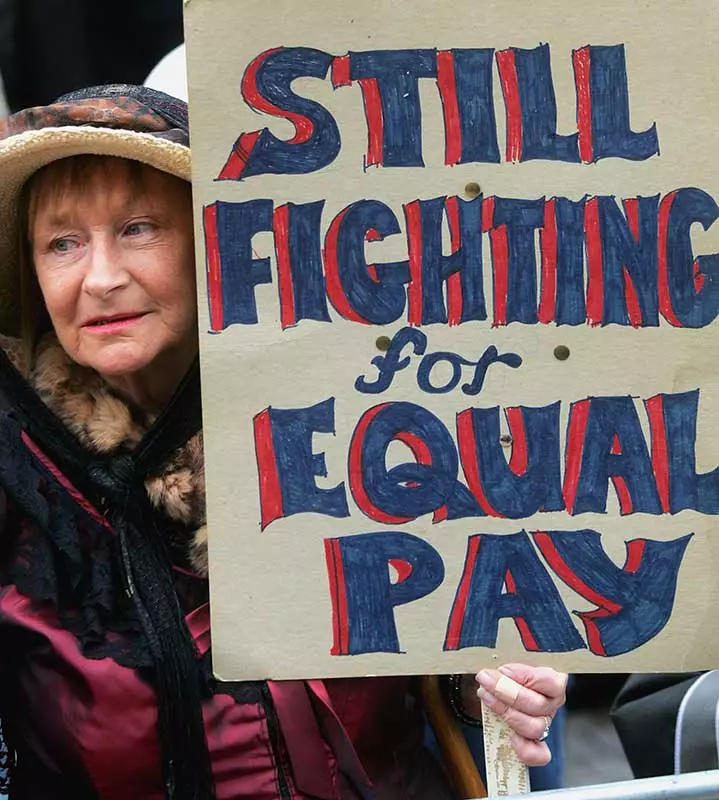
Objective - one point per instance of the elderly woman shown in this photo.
(106, 687)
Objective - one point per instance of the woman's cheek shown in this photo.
(61, 300)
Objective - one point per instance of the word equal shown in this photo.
(605, 446)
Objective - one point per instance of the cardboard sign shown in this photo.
(457, 268)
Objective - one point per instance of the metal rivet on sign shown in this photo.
(561, 352)
(383, 343)
(505, 439)
(472, 189)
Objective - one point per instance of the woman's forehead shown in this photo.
(82, 172)
(64, 187)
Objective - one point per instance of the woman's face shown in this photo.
(115, 264)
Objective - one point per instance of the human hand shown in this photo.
(527, 702)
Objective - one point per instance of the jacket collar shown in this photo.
(69, 405)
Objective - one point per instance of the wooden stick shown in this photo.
(458, 760)
(506, 774)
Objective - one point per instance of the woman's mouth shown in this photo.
(114, 324)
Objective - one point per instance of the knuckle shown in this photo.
(562, 679)
(527, 727)
(556, 681)
(535, 755)
(540, 706)
(548, 708)
(527, 754)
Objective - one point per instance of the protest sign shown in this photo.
(458, 277)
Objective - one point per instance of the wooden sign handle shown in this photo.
(506, 774)
(457, 757)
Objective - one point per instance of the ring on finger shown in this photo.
(547, 726)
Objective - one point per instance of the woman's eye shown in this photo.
(63, 245)
(137, 228)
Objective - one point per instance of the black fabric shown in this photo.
(62, 556)
(53, 536)
(645, 717)
(50, 47)
(6, 761)
(32, 780)
(116, 483)
(6, 755)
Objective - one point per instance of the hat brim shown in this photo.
(24, 154)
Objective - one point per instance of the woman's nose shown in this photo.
(106, 271)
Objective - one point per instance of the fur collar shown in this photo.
(104, 422)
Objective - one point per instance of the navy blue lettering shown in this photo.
(522, 219)
(465, 260)
(351, 288)
(239, 271)
(397, 73)
(297, 466)
(266, 88)
(611, 129)
(633, 602)
(299, 262)
(692, 283)
(529, 483)
(390, 364)
(629, 272)
(687, 489)
(571, 307)
(614, 447)
(473, 71)
(364, 595)
(411, 489)
(504, 577)
(540, 139)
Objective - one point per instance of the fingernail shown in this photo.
(484, 677)
(485, 697)
(507, 671)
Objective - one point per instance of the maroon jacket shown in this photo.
(77, 697)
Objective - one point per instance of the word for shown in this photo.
(605, 445)
(389, 81)
(389, 365)
(504, 577)
(602, 262)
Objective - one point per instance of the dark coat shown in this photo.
(78, 683)
(51, 47)
(667, 722)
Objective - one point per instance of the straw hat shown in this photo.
(130, 122)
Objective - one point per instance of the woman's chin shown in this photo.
(116, 360)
